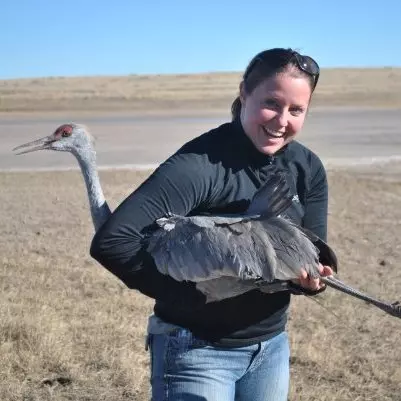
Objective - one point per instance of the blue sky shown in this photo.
(118, 37)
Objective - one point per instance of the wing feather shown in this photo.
(204, 248)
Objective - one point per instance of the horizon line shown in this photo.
(177, 74)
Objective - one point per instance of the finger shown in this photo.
(310, 283)
(303, 275)
(325, 270)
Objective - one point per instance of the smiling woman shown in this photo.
(272, 111)
(236, 348)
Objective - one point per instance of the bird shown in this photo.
(76, 139)
(225, 255)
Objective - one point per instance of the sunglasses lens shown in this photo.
(278, 58)
(309, 65)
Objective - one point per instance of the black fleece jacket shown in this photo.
(217, 172)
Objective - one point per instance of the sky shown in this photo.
(40, 38)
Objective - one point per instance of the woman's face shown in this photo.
(274, 112)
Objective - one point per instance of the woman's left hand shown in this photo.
(311, 283)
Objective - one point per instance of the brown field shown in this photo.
(71, 331)
(213, 91)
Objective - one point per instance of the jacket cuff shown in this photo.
(296, 289)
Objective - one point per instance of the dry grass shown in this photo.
(345, 87)
(70, 331)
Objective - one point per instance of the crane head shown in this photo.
(70, 137)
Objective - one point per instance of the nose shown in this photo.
(282, 118)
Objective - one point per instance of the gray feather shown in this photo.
(205, 247)
(225, 255)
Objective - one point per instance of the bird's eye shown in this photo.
(65, 133)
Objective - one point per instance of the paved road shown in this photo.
(338, 136)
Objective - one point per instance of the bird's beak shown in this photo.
(39, 144)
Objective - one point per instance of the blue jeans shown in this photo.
(185, 368)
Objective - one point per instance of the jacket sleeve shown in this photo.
(316, 205)
(316, 209)
(178, 186)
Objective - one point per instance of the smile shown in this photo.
(273, 134)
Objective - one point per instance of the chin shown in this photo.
(270, 150)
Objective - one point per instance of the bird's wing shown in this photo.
(293, 249)
(201, 248)
(273, 198)
(228, 287)
(224, 287)
(327, 255)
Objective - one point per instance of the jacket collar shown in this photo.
(256, 158)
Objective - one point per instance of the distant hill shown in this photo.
(379, 87)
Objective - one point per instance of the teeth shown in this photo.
(276, 134)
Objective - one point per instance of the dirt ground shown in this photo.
(71, 331)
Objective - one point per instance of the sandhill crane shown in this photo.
(224, 255)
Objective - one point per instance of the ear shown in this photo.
(242, 92)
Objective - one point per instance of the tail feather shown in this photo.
(273, 198)
(327, 255)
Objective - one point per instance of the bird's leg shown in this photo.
(393, 309)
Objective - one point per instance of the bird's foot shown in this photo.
(396, 309)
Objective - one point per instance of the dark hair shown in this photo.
(274, 61)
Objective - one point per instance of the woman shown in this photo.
(236, 348)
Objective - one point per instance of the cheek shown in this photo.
(266, 114)
(258, 115)
(296, 125)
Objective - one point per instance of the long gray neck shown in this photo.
(99, 208)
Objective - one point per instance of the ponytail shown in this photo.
(236, 108)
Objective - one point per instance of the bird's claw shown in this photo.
(396, 309)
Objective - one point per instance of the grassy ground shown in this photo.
(337, 87)
(70, 331)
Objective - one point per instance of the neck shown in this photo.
(99, 208)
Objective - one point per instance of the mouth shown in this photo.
(40, 144)
(273, 134)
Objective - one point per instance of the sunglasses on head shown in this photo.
(277, 58)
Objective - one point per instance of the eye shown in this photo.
(296, 111)
(270, 104)
(66, 131)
